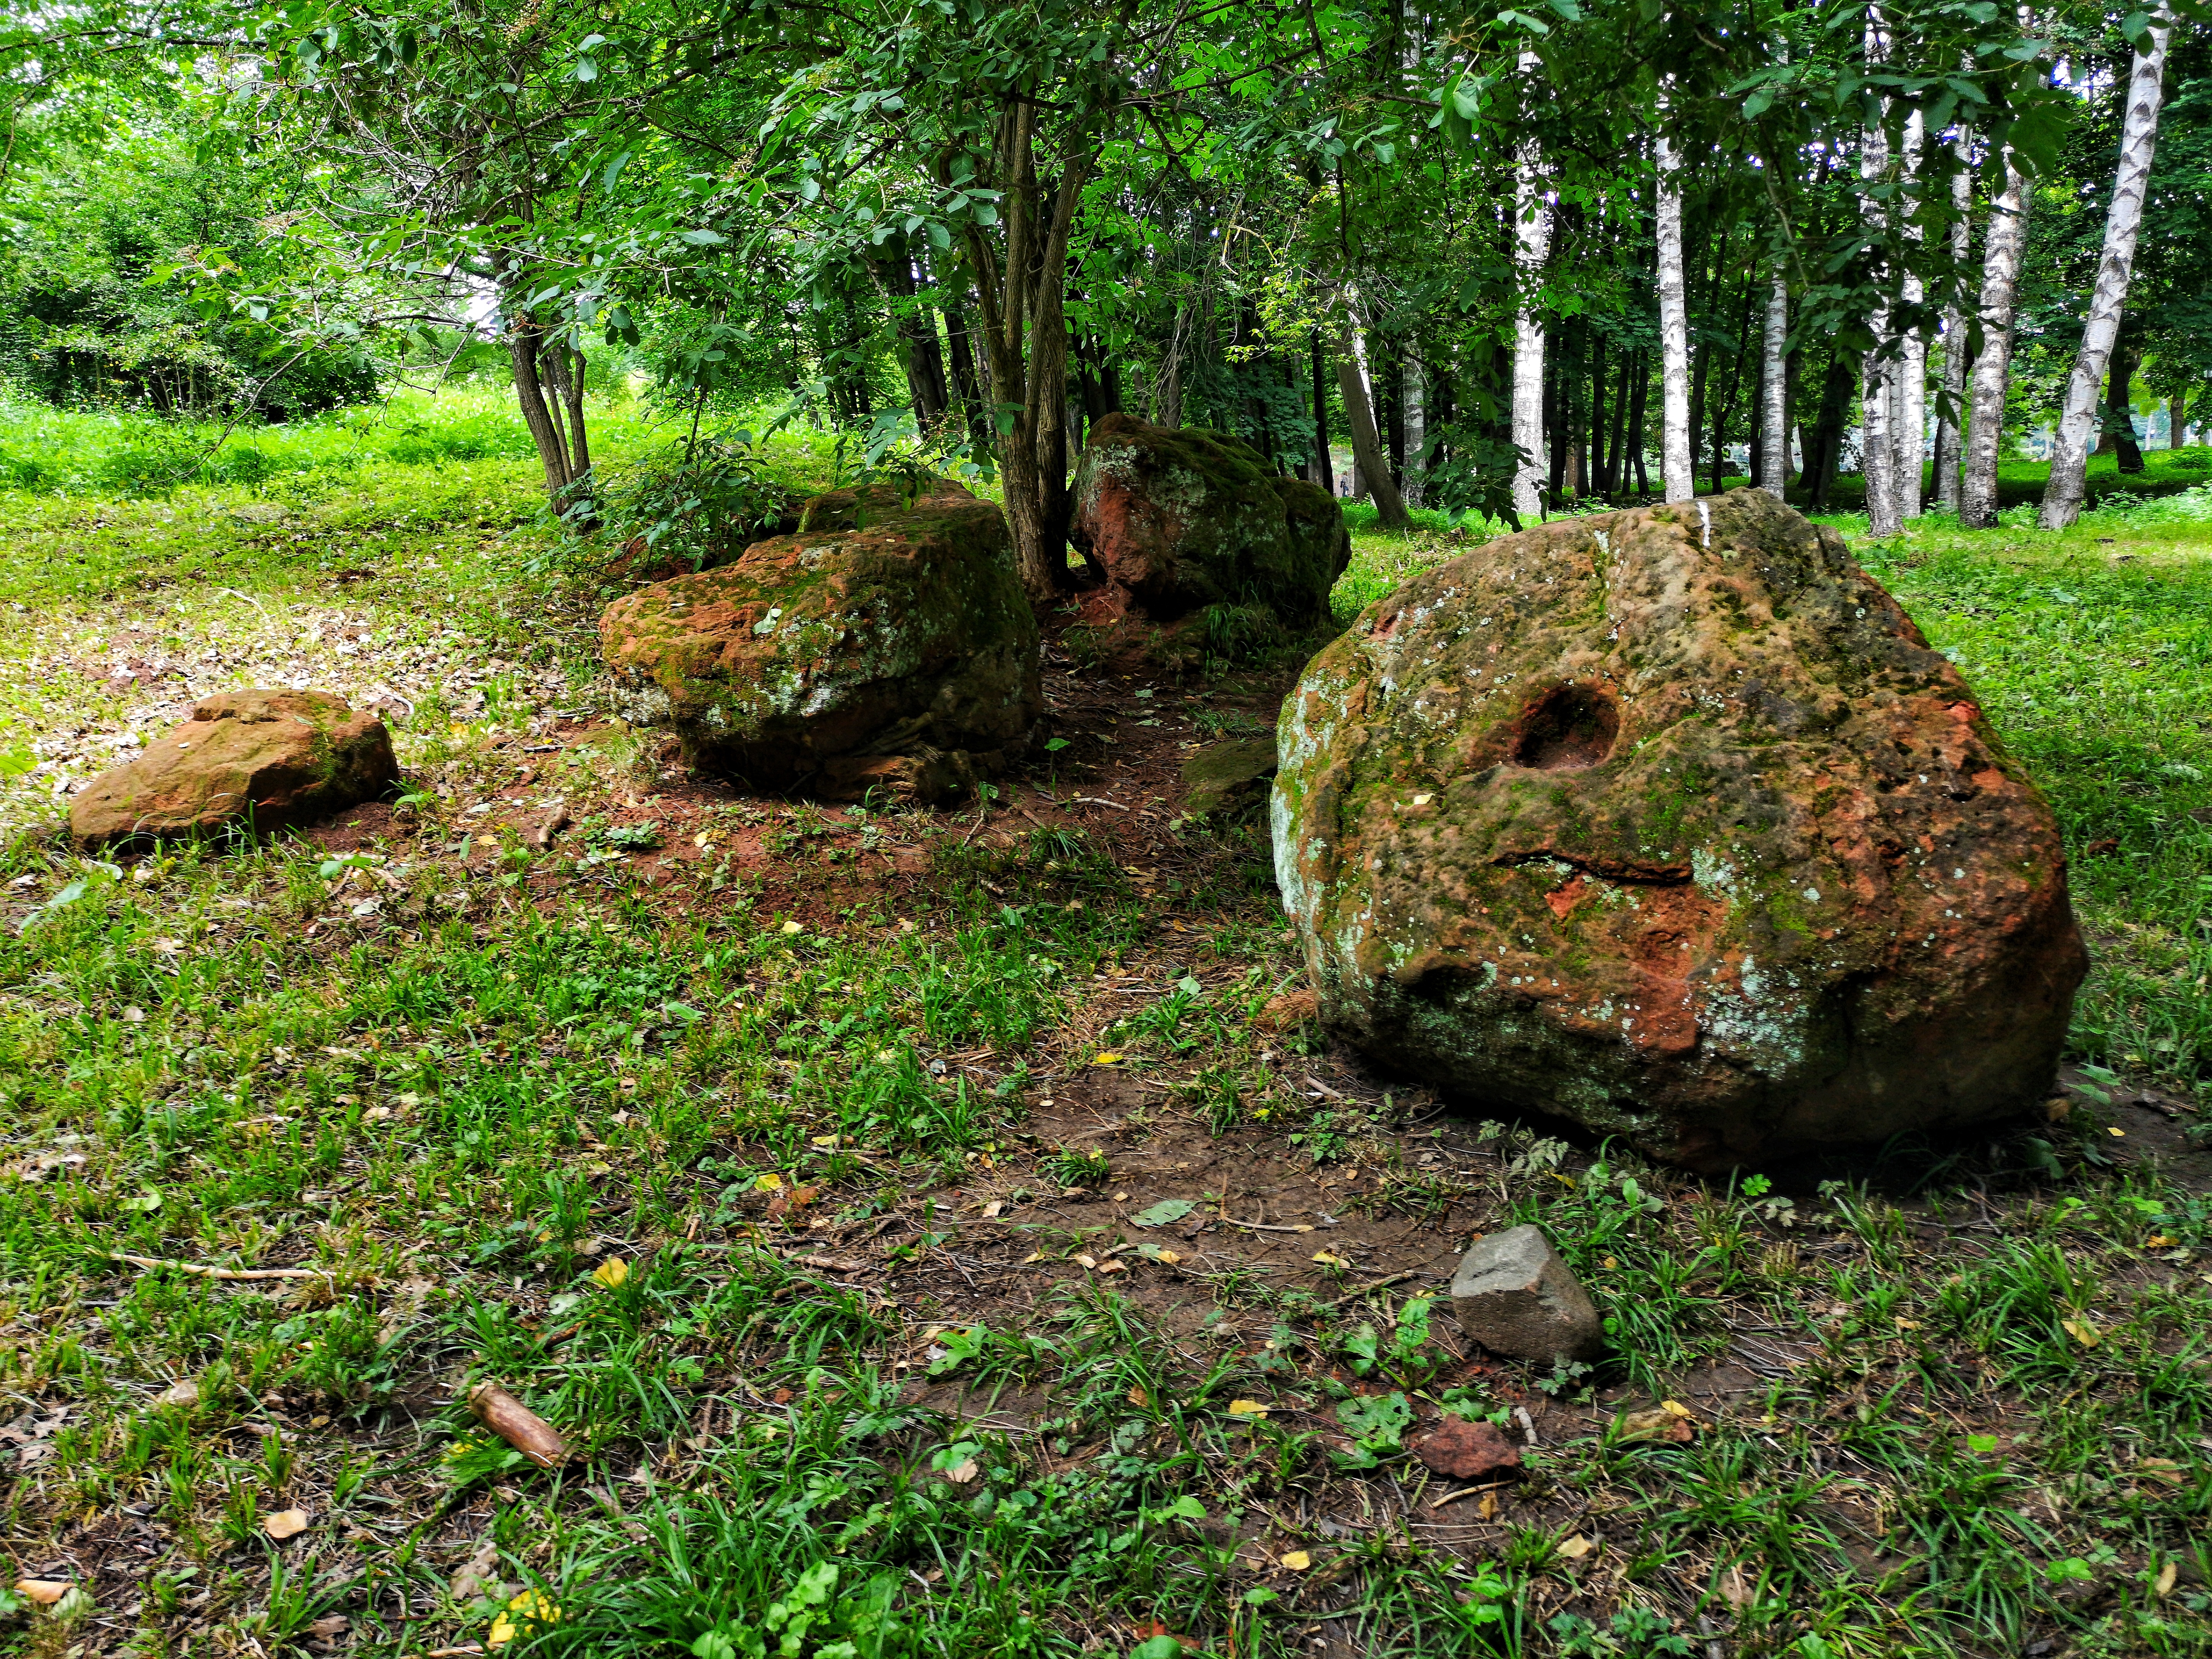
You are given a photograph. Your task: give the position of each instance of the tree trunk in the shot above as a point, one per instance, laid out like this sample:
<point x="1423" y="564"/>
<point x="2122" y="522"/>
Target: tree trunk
<point x="1359" y="416"/>
<point x="1324" y="465"/>
<point x="1948" y="425"/>
<point x="966" y="385"/>
<point x="530" y="356"/>
<point x="1531" y="240"/>
<point x="1726" y="405"/>
<point x="919" y="353"/>
<point x="1597" y="456"/>
<point x="1909" y="429"/>
<point x="1774" y="389"/>
<point x="2070" y="454"/>
<point x="1409" y="404"/>
<point x="2004" y="246"/>
<point x="1828" y="446"/>
<point x="1675" y="459"/>
<point x="2119" y="409"/>
<point x="1639" y="391"/>
<point x="1025" y="335"/>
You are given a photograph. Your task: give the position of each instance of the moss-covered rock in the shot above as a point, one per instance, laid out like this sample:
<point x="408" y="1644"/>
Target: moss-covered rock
<point x="1223" y="777"/>
<point x="1669" y="822"/>
<point x="887" y="642"/>
<point x="1183" y="519"/>
<point x="257" y="760"/>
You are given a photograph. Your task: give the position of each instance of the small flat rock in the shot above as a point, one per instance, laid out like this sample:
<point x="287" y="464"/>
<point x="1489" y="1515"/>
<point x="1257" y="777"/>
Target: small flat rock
<point x="1225" y="777"/>
<point x="1469" y="1451"/>
<point x="246" y="760"/>
<point x="1515" y="1296"/>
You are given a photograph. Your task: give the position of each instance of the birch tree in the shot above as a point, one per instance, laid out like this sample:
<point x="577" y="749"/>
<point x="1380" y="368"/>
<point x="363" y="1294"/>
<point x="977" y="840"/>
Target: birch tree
<point x="1677" y="477"/>
<point x="1532" y="237"/>
<point x="2078" y="423"/>
<point x="1908" y="433"/>
<point x="1774" y="382"/>
<point x="2003" y="246"/>
<point x="1950" y="415"/>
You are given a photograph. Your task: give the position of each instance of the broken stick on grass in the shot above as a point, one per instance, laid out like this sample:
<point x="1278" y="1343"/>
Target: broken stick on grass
<point x="200" y="1272"/>
<point x="519" y="1426"/>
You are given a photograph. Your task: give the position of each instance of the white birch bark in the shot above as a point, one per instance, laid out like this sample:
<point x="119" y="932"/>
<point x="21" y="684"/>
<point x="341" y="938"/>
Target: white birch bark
<point x="1532" y="236"/>
<point x="2004" y="245"/>
<point x="1878" y="399"/>
<point x="1677" y="481"/>
<point x="1774" y="411"/>
<point x="1909" y="436"/>
<point x="2078" y="423"/>
<point x="1947" y="416"/>
<point x="1417" y="434"/>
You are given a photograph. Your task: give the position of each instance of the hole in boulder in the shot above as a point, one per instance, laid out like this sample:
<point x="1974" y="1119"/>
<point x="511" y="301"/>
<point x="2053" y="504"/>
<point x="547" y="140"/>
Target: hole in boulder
<point x="1568" y="729"/>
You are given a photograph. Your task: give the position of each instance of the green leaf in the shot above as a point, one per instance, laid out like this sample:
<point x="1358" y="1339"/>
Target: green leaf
<point x="1167" y="1210"/>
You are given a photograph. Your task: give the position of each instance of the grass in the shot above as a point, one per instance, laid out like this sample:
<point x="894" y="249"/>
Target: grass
<point x="529" y="1114"/>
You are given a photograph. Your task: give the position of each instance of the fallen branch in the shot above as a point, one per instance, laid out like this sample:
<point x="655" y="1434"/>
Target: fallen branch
<point x="1263" y="1226"/>
<point x="519" y="1426"/>
<point x="199" y="1272"/>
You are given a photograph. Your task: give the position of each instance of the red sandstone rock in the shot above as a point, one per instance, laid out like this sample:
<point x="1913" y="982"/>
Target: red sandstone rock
<point x="1469" y="1451"/>
<point x="1185" y="518"/>
<point x="1670" y="822"/>
<point x="886" y="644"/>
<point x="255" y="760"/>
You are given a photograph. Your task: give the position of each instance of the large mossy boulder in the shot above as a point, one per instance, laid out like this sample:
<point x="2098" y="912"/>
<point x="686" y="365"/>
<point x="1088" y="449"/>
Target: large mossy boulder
<point x="1671" y="823"/>
<point x="1183" y="518"/>
<point x="887" y="643"/>
<point x="246" y="761"/>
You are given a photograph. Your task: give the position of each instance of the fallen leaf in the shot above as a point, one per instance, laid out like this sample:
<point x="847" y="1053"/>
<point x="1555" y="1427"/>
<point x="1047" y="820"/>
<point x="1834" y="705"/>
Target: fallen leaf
<point x="1113" y="1267"/>
<point x="769" y="1184"/>
<point x="826" y="1141"/>
<point x="1330" y="1259"/>
<point x="792" y="927"/>
<point x="1084" y="1260"/>
<point x="963" y="1472"/>
<point x="1034" y="1255"/>
<point x="1486" y="1507"/>
<point x="43" y="1591"/>
<point x="611" y="1272"/>
<point x="1247" y="1408"/>
<point x="994" y="1209"/>
<point x="2115" y="1129"/>
<point x="1423" y="801"/>
<point x="330" y="1624"/>
<point x="285" y="1523"/>
<point x="477" y="1573"/>
<point x="1676" y="1408"/>
<point x="1575" y="1547"/>
<point x="1297" y="1561"/>
<point x="1138" y="1397"/>
<point x="2081" y="1332"/>
<point x="1167" y="1210"/>
<point x="2166" y="1574"/>
<point x="1121" y="1197"/>
<point x="186" y="1394"/>
<point x="1108" y="1059"/>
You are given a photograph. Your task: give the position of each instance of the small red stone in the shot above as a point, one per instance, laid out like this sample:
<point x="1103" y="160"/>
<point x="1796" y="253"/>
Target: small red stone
<point x="1469" y="1451"/>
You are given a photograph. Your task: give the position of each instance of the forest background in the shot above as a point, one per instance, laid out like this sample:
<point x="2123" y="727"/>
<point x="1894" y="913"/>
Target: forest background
<point x="909" y="1217"/>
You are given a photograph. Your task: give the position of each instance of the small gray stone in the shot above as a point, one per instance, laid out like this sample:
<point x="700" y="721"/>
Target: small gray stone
<point x="1516" y="1296"/>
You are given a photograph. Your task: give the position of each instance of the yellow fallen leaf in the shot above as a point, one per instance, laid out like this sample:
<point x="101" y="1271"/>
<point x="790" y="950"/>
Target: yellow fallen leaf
<point x="2166" y="1574"/>
<point x="1248" y="1408"/>
<point x="2157" y="1241"/>
<point x="2080" y="1331"/>
<point x="1675" y="1408"/>
<point x="43" y="1591"/>
<point x="523" y="1614"/>
<point x="2114" y="1129"/>
<point x="1423" y="801"/>
<point x="1608" y="1262"/>
<point x="1575" y="1547"/>
<point x="285" y="1523"/>
<point x="792" y="927"/>
<point x="1169" y="1256"/>
<point x="1034" y="1255"/>
<point x="1297" y="1561"/>
<point x="611" y="1272"/>
<point x="770" y="1182"/>
<point x="827" y="1140"/>
<point x="1330" y="1259"/>
<point x="1107" y="1059"/>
